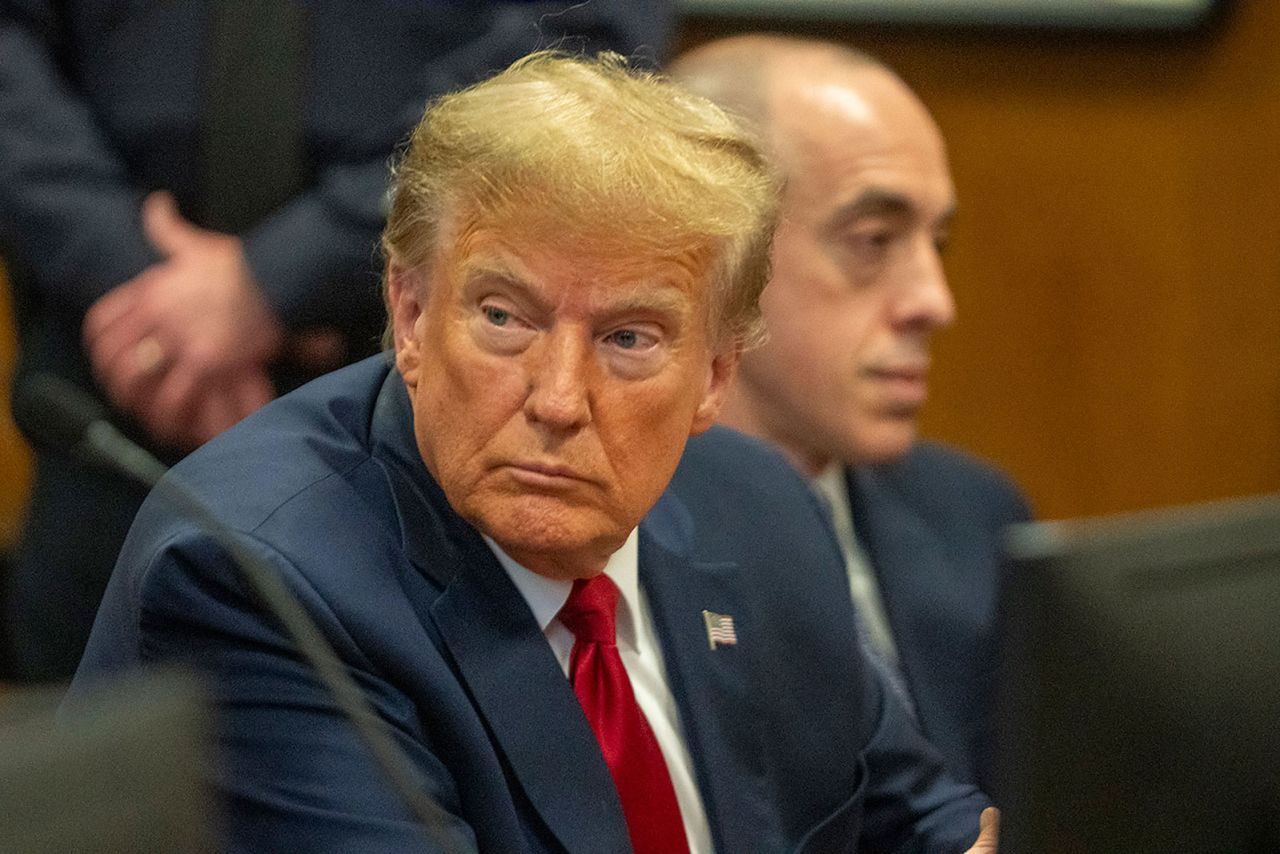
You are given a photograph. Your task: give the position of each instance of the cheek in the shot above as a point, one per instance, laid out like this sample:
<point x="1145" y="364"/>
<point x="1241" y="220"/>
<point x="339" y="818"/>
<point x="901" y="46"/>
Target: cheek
<point x="644" y="434"/>
<point x="464" y="381"/>
<point x="466" y="398"/>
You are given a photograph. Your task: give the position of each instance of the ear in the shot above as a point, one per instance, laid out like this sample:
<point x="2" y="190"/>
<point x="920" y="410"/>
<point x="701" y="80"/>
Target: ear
<point x="405" y="294"/>
<point x="724" y="367"/>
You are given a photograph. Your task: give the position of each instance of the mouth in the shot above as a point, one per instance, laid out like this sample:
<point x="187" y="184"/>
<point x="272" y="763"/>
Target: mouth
<point x="547" y="476"/>
<point x="906" y="386"/>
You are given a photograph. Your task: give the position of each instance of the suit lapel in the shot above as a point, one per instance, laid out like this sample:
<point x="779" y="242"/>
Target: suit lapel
<point x="530" y="707"/>
<point x="911" y="564"/>
<point x="713" y="688"/>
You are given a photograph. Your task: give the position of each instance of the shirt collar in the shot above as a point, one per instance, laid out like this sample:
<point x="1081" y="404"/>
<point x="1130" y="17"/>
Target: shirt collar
<point x="831" y="487"/>
<point x="829" y="484"/>
<point x="546" y="596"/>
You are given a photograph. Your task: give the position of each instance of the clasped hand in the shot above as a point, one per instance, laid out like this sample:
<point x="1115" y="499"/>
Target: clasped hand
<point x="184" y="346"/>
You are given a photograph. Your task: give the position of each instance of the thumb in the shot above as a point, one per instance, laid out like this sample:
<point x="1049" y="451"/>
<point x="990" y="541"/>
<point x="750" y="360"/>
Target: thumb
<point x="166" y="228"/>
<point x="988" y="832"/>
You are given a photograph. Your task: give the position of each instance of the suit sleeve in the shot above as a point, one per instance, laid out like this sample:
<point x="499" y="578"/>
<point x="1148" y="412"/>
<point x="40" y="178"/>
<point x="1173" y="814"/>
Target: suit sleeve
<point x="67" y="206"/>
<point x="912" y="803"/>
<point x="295" y="774"/>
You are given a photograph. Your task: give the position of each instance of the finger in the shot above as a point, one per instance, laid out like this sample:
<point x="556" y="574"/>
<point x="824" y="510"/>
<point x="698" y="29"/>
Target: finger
<point x="192" y="412"/>
<point x="184" y="435"/>
<point x="169" y="408"/>
<point x="126" y="357"/>
<point x="132" y="393"/>
<point x="116" y="306"/>
<point x="132" y="376"/>
<point x="166" y="228"/>
<point x="988" y="831"/>
<point x="241" y="396"/>
<point x="250" y="393"/>
<point x="214" y="414"/>
<point x="108" y="343"/>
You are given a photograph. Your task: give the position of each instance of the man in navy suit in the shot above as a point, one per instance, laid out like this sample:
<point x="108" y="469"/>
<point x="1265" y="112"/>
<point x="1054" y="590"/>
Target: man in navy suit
<point x="576" y="651"/>
<point x="857" y="291"/>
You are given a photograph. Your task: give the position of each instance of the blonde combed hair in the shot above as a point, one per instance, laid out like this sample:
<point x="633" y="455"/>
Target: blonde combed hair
<point x="589" y="147"/>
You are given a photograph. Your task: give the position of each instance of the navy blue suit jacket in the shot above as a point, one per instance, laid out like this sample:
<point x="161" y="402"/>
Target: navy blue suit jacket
<point x="932" y="525"/>
<point x="795" y="745"/>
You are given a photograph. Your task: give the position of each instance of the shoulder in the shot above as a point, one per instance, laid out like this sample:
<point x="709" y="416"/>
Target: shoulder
<point x="736" y="502"/>
<point x="727" y="483"/>
<point x="286" y="447"/>
<point x="296" y="478"/>
<point x="294" y="485"/>
<point x="943" y="483"/>
<point x="732" y="458"/>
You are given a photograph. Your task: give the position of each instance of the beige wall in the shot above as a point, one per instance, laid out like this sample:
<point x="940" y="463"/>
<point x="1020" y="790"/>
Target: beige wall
<point x="1117" y="256"/>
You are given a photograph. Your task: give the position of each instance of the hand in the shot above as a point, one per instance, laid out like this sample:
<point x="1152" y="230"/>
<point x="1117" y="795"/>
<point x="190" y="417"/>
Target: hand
<point x="988" y="832"/>
<point x="184" y="345"/>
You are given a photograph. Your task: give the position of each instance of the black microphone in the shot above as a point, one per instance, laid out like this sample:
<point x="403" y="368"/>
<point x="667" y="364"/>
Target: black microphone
<point x="59" y="415"/>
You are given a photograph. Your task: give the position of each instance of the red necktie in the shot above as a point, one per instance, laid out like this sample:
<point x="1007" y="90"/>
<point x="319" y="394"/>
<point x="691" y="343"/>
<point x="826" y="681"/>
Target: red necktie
<point x="629" y="748"/>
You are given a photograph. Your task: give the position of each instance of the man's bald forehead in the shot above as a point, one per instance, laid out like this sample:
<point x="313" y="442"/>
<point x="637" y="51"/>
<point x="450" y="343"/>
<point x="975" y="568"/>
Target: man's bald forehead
<point x="755" y="50"/>
<point x="739" y="72"/>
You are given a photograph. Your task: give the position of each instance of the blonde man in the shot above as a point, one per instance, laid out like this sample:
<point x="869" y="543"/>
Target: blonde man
<point x="572" y="654"/>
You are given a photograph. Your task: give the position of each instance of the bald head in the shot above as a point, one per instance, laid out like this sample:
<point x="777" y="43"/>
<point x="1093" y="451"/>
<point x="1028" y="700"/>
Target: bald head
<point x="743" y="73"/>
<point x="857" y="287"/>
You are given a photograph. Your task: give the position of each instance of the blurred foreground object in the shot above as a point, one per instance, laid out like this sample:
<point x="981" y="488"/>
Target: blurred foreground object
<point x="122" y="771"/>
<point x="1142" y="682"/>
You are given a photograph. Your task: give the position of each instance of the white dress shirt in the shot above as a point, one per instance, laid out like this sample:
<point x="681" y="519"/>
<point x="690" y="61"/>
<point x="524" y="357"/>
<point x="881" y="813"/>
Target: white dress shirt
<point x="641" y="655"/>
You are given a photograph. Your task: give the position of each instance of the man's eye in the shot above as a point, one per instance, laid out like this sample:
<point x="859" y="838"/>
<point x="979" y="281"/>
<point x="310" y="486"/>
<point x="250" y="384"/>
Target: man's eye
<point x="631" y="339"/>
<point x="495" y="315"/>
<point x="875" y="241"/>
<point x="625" y="338"/>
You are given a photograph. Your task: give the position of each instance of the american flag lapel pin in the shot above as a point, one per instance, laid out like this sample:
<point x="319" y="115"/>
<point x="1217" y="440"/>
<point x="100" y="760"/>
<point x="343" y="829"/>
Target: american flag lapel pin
<point x="720" y="630"/>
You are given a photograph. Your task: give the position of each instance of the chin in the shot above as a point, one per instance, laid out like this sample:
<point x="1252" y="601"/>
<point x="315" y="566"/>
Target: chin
<point x="883" y="446"/>
<point x="546" y="533"/>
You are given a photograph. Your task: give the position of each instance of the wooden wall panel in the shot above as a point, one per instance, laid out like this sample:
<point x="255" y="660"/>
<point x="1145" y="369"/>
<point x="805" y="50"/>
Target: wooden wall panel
<point x="15" y="458"/>
<point x="1117" y="257"/>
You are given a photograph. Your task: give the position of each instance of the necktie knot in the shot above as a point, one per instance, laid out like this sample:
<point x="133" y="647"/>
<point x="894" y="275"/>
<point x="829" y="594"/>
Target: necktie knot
<point x="591" y="610"/>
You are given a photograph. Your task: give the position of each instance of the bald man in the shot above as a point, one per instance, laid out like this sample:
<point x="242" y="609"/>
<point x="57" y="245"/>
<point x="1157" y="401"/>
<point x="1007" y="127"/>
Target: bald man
<point x="857" y="293"/>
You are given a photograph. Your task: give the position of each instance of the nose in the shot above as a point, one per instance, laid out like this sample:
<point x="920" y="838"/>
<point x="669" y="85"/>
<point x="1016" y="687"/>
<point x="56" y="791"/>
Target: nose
<point x="925" y="301"/>
<point x="558" y="370"/>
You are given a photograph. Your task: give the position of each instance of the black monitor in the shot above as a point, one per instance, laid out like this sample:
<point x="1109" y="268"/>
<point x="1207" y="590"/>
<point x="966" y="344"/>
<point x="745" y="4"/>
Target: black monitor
<point x="1139" y="704"/>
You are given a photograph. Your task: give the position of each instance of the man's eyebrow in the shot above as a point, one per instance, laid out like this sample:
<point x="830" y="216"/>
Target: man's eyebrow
<point x="497" y="273"/>
<point x="489" y="268"/>
<point x="643" y="299"/>
<point x="639" y="298"/>
<point x="876" y="201"/>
